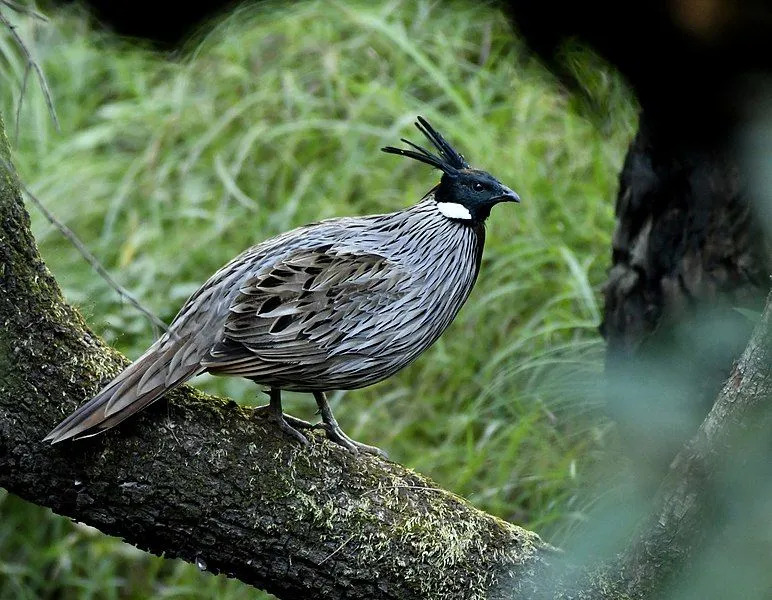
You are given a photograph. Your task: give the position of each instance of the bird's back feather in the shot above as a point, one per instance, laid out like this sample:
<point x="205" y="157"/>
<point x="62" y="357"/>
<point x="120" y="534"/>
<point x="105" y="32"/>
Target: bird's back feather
<point x="341" y="304"/>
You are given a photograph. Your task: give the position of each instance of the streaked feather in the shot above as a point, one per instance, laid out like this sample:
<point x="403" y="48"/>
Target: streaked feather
<point x="340" y="304"/>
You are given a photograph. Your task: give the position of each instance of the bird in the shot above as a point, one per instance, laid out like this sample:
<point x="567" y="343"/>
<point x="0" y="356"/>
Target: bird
<point x="340" y="304"/>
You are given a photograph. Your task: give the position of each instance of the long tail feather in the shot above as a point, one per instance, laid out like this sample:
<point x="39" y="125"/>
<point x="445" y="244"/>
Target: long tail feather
<point x="141" y="383"/>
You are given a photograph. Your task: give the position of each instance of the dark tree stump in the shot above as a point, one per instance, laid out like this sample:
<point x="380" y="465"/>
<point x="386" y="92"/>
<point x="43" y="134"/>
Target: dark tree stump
<point x="688" y="249"/>
<point x="688" y="252"/>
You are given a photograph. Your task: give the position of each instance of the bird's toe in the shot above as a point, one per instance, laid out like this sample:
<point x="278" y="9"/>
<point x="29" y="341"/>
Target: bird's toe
<point x="298" y="423"/>
<point x="292" y="432"/>
<point x="285" y="423"/>
<point x="337" y="435"/>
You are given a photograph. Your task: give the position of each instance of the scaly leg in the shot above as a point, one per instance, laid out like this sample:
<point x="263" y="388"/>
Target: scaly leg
<point x="286" y="423"/>
<point x="336" y="434"/>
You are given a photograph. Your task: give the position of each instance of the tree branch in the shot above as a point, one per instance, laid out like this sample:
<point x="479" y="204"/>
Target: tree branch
<point x="698" y="498"/>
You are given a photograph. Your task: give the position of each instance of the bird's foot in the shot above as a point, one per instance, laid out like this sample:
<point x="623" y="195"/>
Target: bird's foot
<point x="286" y="423"/>
<point x="298" y="423"/>
<point x="337" y="435"/>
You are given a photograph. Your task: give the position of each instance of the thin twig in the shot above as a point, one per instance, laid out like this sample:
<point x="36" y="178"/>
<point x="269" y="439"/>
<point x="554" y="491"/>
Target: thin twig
<point x="24" y="10"/>
<point x="21" y="101"/>
<point x="36" y="66"/>
<point x="86" y="254"/>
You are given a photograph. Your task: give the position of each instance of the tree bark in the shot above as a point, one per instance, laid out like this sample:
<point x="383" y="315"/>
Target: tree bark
<point x="200" y="478"/>
<point x="688" y="251"/>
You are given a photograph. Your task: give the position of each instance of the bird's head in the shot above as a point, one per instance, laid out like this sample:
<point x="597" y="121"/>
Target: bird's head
<point x="464" y="193"/>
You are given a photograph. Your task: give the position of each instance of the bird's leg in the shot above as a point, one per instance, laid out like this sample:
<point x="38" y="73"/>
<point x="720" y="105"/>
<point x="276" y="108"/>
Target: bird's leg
<point x="335" y="433"/>
<point x="286" y="423"/>
<point x="294" y="421"/>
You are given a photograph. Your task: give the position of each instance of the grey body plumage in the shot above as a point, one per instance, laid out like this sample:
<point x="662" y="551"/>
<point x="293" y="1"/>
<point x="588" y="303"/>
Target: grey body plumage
<point x="340" y="304"/>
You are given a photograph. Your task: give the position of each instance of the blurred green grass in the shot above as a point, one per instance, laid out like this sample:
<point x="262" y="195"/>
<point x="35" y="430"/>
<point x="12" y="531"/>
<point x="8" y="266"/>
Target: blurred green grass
<point x="168" y="166"/>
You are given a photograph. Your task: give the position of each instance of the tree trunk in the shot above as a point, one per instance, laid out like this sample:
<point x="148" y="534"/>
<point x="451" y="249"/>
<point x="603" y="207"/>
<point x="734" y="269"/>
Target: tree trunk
<point x="725" y="465"/>
<point x="688" y="251"/>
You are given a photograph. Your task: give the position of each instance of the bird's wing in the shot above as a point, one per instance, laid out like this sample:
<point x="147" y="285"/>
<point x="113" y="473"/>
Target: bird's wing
<point x="312" y="304"/>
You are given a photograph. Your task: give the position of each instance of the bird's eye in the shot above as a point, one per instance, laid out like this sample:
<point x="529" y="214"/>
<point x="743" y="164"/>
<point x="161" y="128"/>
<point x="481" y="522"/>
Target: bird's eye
<point x="478" y="187"/>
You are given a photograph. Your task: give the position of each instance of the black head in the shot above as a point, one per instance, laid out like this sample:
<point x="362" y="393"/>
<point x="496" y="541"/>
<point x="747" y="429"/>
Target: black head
<point x="464" y="193"/>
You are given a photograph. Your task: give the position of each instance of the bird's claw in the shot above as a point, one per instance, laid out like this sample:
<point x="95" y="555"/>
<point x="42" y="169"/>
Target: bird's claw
<point x="337" y="435"/>
<point x="290" y="425"/>
<point x="286" y="423"/>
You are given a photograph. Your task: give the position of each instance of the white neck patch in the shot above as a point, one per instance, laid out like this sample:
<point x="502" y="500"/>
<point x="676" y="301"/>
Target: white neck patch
<point x="453" y="210"/>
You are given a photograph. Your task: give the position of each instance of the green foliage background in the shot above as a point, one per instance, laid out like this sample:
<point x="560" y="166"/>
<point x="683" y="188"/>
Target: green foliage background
<point x="167" y="166"/>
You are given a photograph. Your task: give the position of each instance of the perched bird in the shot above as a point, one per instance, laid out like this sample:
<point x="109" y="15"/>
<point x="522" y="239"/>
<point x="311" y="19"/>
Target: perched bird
<point x="337" y="305"/>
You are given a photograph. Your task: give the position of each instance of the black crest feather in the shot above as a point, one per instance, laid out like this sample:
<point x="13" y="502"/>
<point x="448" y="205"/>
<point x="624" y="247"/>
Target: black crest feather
<point x="449" y="161"/>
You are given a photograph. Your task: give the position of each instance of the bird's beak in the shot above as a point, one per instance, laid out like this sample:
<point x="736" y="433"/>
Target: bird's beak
<point x="507" y="195"/>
